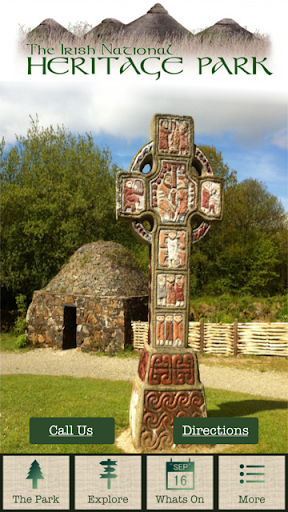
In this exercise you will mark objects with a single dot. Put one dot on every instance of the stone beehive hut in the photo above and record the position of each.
(91, 302)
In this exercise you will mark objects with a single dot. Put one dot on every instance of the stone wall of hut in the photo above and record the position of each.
(103, 323)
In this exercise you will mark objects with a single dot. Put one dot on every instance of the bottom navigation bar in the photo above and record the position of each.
(143, 482)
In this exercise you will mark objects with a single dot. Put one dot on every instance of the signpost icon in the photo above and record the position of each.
(109, 470)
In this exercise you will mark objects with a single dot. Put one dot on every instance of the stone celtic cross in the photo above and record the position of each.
(170, 184)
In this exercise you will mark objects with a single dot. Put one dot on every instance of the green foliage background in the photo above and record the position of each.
(58, 193)
(246, 254)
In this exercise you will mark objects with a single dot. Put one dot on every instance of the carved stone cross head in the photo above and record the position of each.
(170, 183)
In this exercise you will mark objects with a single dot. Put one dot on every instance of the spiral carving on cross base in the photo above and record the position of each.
(160, 409)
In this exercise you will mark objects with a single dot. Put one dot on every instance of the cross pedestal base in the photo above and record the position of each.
(167, 386)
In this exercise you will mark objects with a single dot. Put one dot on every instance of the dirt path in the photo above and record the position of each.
(78, 364)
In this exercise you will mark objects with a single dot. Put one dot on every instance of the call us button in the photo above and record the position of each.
(72, 430)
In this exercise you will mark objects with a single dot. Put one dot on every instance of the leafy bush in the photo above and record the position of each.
(20, 323)
(247, 309)
(282, 315)
(21, 341)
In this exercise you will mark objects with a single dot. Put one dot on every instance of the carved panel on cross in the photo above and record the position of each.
(211, 198)
(170, 290)
(169, 329)
(132, 195)
(174, 136)
(169, 369)
(172, 248)
(173, 193)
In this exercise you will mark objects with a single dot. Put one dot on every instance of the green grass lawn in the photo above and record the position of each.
(8, 340)
(26, 396)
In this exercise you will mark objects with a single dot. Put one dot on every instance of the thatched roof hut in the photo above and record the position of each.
(225, 29)
(156, 24)
(107, 28)
(49, 29)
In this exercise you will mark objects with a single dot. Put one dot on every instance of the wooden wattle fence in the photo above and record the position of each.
(262, 339)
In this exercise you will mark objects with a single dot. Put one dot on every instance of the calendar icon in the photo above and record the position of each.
(180, 475)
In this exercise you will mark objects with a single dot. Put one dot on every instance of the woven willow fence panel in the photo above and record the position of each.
(228, 339)
(263, 339)
(140, 334)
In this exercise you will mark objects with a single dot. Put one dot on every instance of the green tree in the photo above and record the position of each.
(220, 168)
(35, 474)
(58, 193)
(246, 253)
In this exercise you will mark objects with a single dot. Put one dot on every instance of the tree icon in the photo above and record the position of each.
(35, 474)
(108, 471)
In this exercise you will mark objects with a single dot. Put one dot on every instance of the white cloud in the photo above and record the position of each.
(279, 138)
(125, 111)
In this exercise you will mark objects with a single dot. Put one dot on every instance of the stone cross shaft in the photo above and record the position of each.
(169, 196)
(169, 186)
